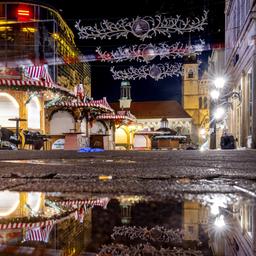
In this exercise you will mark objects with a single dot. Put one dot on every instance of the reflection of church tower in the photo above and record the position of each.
(195, 98)
(195, 216)
(126, 204)
(125, 97)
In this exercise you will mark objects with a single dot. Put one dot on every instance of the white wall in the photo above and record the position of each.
(140, 141)
(33, 109)
(61, 122)
(98, 128)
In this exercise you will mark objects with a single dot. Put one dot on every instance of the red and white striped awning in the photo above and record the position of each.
(40, 234)
(33, 225)
(20, 225)
(102, 104)
(121, 115)
(38, 72)
(114, 117)
(103, 202)
(24, 84)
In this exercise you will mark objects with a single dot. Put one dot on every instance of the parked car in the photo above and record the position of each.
(227, 142)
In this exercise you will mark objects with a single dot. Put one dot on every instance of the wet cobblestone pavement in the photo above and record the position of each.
(126, 203)
(156, 173)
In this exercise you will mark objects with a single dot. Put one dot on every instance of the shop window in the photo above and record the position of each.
(249, 219)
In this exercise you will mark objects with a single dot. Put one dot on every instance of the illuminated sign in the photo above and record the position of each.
(23, 13)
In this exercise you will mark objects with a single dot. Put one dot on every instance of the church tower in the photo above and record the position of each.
(125, 95)
(195, 101)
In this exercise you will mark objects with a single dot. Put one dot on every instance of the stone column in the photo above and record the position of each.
(42, 115)
(78, 125)
(254, 102)
(21, 98)
(114, 134)
(254, 229)
(244, 114)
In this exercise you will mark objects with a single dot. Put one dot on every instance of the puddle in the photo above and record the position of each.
(68, 161)
(44, 162)
(34, 223)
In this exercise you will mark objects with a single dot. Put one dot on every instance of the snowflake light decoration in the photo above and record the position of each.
(141, 27)
(155, 71)
(145, 249)
(147, 52)
(156, 234)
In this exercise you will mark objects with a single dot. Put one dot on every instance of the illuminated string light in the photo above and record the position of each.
(157, 72)
(147, 52)
(141, 27)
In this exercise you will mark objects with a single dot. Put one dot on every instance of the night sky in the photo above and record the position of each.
(94, 11)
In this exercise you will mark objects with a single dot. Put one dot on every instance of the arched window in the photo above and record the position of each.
(205, 102)
(200, 102)
(190, 73)
(33, 108)
(9, 108)
(121, 136)
(8, 203)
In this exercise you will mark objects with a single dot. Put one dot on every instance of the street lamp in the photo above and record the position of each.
(219, 113)
(219, 222)
(215, 94)
(219, 83)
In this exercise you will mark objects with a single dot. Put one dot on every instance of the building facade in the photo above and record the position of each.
(149, 116)
(37, 47)
(216, 69)
(195, 101)
(242, 241)
(240, 64)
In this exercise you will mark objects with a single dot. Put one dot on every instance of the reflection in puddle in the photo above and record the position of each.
(67, 161)
(33, 223)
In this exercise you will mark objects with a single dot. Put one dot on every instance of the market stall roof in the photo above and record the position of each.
(101, 104)
(32, 84)
(120, 115)
(155, 109)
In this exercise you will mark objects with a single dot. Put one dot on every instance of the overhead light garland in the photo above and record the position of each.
(147, 52)
(155, 71)
(141, 27)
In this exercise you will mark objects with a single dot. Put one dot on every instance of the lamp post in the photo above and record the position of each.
(215, 113)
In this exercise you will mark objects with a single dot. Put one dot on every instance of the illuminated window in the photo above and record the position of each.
(24, 13)
(9, 108)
